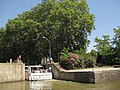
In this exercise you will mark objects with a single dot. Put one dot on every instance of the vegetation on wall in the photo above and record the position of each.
(77, 59)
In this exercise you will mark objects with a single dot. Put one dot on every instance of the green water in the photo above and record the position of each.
(59, 85)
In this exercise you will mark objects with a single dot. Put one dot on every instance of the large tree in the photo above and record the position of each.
(103, 48)
(2, 30)
(108, 49)
(65, 23)
(116, 45)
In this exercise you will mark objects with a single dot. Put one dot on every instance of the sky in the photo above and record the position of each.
(107, 13)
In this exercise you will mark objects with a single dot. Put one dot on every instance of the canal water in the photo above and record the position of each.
(58, 85)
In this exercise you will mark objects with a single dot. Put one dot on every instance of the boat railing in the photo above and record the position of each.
(36, 69)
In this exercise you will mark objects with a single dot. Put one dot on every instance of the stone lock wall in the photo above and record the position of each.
(86, 76)
(107, 75)
(11, 72)
(78, 76)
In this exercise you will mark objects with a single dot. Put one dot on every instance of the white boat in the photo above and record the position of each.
(37, 72)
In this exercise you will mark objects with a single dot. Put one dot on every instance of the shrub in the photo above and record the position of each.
(71, 62)
(77, 60)
(90, 62)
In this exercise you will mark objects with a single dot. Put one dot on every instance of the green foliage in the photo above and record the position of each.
(116, 46)
(66, 24)
(79, 59)
(103, 46)
(108, 50)
(64, 53)
(89, 60)
(18, 39)
(94, 53)
(70, 62)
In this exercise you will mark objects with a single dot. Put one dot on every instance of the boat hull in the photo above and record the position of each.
(40, 76)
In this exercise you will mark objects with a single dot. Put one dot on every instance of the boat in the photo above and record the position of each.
(37, 72)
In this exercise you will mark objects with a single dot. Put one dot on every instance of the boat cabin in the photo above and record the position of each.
(37, 72)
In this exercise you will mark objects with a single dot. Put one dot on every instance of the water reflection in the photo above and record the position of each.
(13, 86)
(27, 85)
(58, 85)
(63, 85)
(40, 85)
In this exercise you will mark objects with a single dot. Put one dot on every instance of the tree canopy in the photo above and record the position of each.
(65, 23)
(108, 49)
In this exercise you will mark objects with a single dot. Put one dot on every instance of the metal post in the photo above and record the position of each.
(49, 47)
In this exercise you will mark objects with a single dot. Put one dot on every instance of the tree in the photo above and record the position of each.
(116, 46)
(103, 48)
(20, 38)
(2, 31)
(65, 23)
(108, 49)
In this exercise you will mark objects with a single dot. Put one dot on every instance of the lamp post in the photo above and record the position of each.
(49, 48)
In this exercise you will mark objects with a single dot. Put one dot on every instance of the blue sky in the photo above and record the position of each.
(107, 14)
(106, 11)
(10, 8)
